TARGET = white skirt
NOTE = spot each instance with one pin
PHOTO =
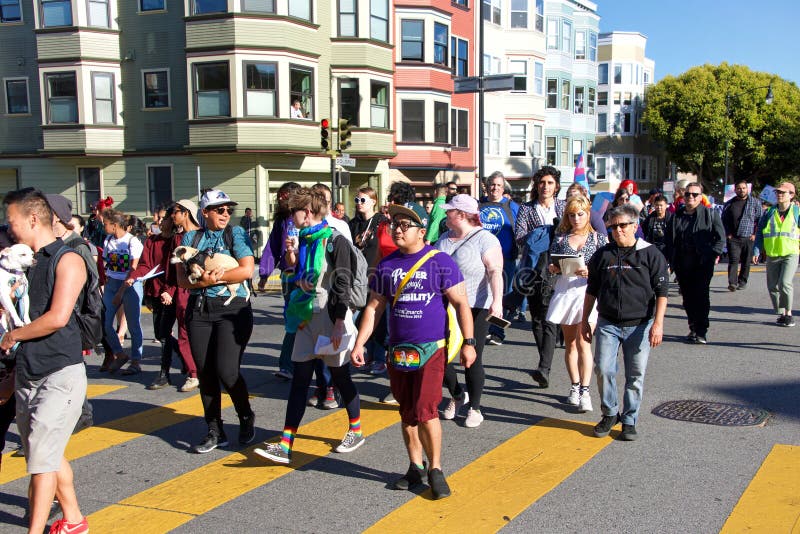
(566, 304)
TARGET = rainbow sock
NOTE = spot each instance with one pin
(355, 426)
(287, 439)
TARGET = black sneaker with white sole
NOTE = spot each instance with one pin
(413, 477)
(211, 442)
(788, 321)
(438, 484)
(603, 428)
(628, 433)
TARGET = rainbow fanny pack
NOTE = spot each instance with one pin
(412, 356)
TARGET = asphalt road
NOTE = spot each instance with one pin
(678, 477)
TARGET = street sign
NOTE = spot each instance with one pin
(346, 161)
(466, 84)
(498, 82)
(472, 84)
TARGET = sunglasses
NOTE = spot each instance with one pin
(692, 195)
(222, 210)
(404, 226)
(621, 226)
(360, 200)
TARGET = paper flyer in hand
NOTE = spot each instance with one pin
(152, 274)
(569, 263)
(324, 345)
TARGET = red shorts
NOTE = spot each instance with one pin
(419, 392)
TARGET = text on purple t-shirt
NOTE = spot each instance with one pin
(420, 314)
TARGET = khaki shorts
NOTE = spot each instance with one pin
(47, 410)
(321, 325)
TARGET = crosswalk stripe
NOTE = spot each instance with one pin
(179, 500)
(517, 473)
(771, 503)
(116, 432)
(95, 390)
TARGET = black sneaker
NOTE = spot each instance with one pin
(741, 287)
(780, 320)
(411, 479)
(692, 337)
(540, 378)
(438, 484)
(247, 429)
(161, 381)
(788, 321)
(84, 421)
(210, 442)
(603, 428)
(700, 340)
(731, 287)
(628, 433)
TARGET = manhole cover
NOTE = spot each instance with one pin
(711, 413)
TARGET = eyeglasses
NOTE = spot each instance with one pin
(222, 210)
(404, 226)
(360, 200)
(179, 210)
(621, 226)
(692, 195)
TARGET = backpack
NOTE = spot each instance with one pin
(89, 306)
(359, 286)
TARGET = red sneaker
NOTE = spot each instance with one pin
(63, 527)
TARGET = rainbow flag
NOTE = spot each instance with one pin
(580, 173)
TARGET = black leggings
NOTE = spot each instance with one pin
(301, 380)
(474, 375)
(218, 335)
(7, 414)
(164, 319)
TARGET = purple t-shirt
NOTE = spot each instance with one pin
(420, 314)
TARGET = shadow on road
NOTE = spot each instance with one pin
(778, 398)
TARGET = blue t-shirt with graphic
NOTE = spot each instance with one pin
(215, 240)
(495, 218)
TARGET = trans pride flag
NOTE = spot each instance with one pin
(580, 173)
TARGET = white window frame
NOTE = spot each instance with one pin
(580, 45)
(439, 45)
(494, 9)
(491, 138)
(413, 39)
(145, 72)
(565, 155)
(602, 68)
(577, 148)
(566, 95)
(538, 133)
(170, 166)
(602, 123)
(351, 14)
(591, 101)
(579, 104)
(274, 91)
(27, 94)
(41, 13)
(107, 22)
(310, 5)
(566, 36)
(592, 47)
(519, 68)
(373, 106)
(512, 11)
(93, 76)
(455, 58)
(550, 150)
(553, 33)
(517, 139)
(376, 18)
(551, 94)
(457, 125)
(538, 78)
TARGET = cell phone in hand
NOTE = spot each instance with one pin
(498, 321)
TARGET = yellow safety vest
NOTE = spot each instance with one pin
(782, 238)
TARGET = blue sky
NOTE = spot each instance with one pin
(684, 33)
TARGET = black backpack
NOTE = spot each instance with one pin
(89, 307)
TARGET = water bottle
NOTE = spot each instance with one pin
(293, 233)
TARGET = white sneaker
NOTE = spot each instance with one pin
(190, 384)
(574, 396)
(454, 406)
(585, 403)
(474, 419)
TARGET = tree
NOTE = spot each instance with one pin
(688, 115)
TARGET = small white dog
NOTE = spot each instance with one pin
(197, 262)
(14, 260)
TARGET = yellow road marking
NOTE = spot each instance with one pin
(771, 503)
(116, 432)
(179, 500)
(519, 471)
(95, 390)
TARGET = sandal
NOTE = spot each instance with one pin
(133, 369)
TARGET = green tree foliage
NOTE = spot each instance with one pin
(687, 114)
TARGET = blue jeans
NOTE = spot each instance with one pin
(132, 304)
(635, 351)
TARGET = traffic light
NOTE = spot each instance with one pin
(324, 133)
(344, 134)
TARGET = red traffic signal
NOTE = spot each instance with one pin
(324, 133)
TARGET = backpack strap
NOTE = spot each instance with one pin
(51, 272)
(198, 235)
(411, 272)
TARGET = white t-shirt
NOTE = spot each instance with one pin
(547, 215)
(340, 225)
(119, 253)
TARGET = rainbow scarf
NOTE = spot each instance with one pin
(310, 258)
